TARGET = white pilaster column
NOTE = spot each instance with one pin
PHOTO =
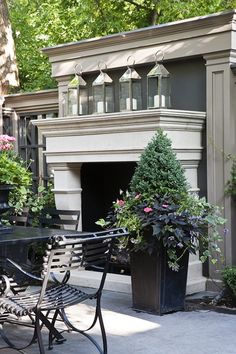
(67, 187)
(221, 134)
(196, 281)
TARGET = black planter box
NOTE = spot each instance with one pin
(155, 287)
(4, 196)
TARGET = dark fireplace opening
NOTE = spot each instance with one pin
(101, 184)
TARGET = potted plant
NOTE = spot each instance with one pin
(14, 174)
(166, 223)
(13, 169)
(229, 281)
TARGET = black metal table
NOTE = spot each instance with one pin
(15, 245)
(25, 235)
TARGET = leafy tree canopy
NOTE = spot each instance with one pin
(42, 23)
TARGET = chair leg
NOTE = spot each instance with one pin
(53, 333)
(39, 335)
(8, 341)
(50, 335)
(98, 315)
(104, 337)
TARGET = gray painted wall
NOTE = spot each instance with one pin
(189, 75)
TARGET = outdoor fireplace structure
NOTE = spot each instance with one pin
(110, 139)
(94, 149)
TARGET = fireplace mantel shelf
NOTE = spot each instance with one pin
(143, 120)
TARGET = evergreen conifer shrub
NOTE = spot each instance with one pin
(158, 170)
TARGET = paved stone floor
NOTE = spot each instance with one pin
(128, 331)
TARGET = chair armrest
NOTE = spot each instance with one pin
(27, 274)
(5, 285)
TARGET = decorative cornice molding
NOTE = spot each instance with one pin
(179, 150)
(32, 102)
(223, 56)
(27, 95)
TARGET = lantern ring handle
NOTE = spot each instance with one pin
(100, 65)
(78, 69)
(129, 60)
(156, 56)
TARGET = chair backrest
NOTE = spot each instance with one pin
(18, 219)
(65, 253)
(56, 218)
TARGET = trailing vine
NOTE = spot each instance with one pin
(231, 184)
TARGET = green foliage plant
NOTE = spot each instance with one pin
(159, 211)
(231, 184)
(13, 169)
(25, 197)
(229, 279)
(38, 201)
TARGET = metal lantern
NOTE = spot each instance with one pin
(103, 99)
(158, 86)
(77, 96)
(130, 90)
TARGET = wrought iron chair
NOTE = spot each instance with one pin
(52, 218)
(48, 305)
(56, 218)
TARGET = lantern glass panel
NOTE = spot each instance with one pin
(130, 95)
(124, 96)
(109, 100)
(153, 96)
(136, 94)
(72, 102)
(98, 99)
(165, 92)
(83, 101)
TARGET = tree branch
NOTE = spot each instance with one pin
(139, 6)
(153, 16)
